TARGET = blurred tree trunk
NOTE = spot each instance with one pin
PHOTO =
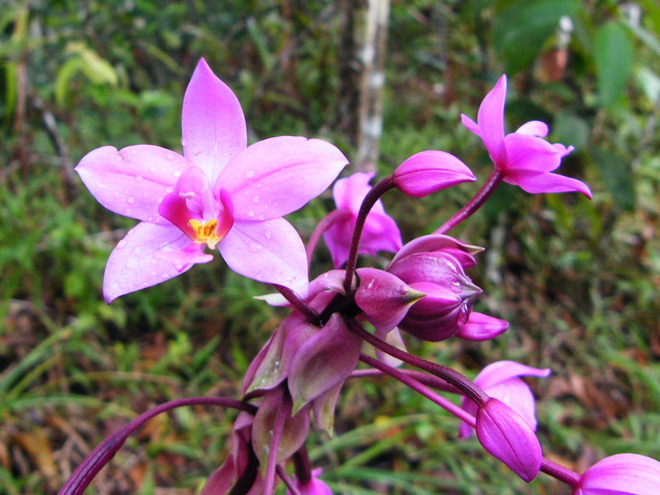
(362, 52)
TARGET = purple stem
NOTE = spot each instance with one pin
(99, 457)
(328, 221)
(420, 389)
(283, 412)
(303, 466)
(423, 378)
(295, 300)
(367, 203)
(475, 203)
(560, 472)
(290, 485)
(449, 375)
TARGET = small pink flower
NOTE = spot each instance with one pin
(621, 474)
(220, 193)
(501, 381)
(380, 231)
(526, 159)
(314, 487)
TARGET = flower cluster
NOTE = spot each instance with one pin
(224, 195)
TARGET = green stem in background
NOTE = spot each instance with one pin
(367, 203)
(101, 455)
(475, 203)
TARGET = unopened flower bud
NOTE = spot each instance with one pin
(430, 171)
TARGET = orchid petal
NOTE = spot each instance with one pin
(212, 121)
(270, 252)
(277, 176)
(518, 396)
(621, 474)
(430, 171)
(132, 181)
(534, 128)
(338, 239)
(134, 264)
(534, 182)
(436, 242)
(349, 192)
(380, 233)
(530, 153)
(491, 122)
(501, 371)
(481, 327)
(470, 124)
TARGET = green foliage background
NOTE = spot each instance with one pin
(578, 280)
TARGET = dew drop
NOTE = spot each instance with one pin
(132, 263)
(138, 178)
(169, 189)
(261, 217)
(256, 198)
(121, 244)
(131, 200)
(129, 212)
(259, 184)
(251, 213)
(254, 247)
(268, 234)
(152, 169)
(249, 174)
(246, 192)
(137, 250)
(183, 142)
(170, 156)
(176, 173)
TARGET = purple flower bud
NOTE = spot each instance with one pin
(384, 298)
(500, 380)
(505, 435)
(430, 171)
(482, 327)
(449, 294)
(621, 474)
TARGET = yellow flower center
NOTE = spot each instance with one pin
(206, 232)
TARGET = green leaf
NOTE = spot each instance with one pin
(521, 28)
(617, 176)
(571, 130)
(613, 57)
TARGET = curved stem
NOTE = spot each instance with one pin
(99, 457)
(475, 203)
(423, 378)
(367, 203)
(449, 375)
(290, 485)
(328, 221)
(303, 466)
(295, 300)
(560, 472)
(421, 389)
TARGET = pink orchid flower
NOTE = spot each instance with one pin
(621, 474)
(380, 230)
(524, 157)
(314, 487)
(500, 380)
(219, 193)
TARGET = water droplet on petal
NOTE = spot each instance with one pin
(176, 173)
(121, 244)
(251, 213)
(152, 169)
(183, 142)
(129, 212)
(138, 178)
(131, 200)
(169, 189)
(259, 185)
(268, 234)
(254, 247)
(255, 200)
(137, 250)
(132, 263)
(261, 217)
(249, 174)
(170, 156)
